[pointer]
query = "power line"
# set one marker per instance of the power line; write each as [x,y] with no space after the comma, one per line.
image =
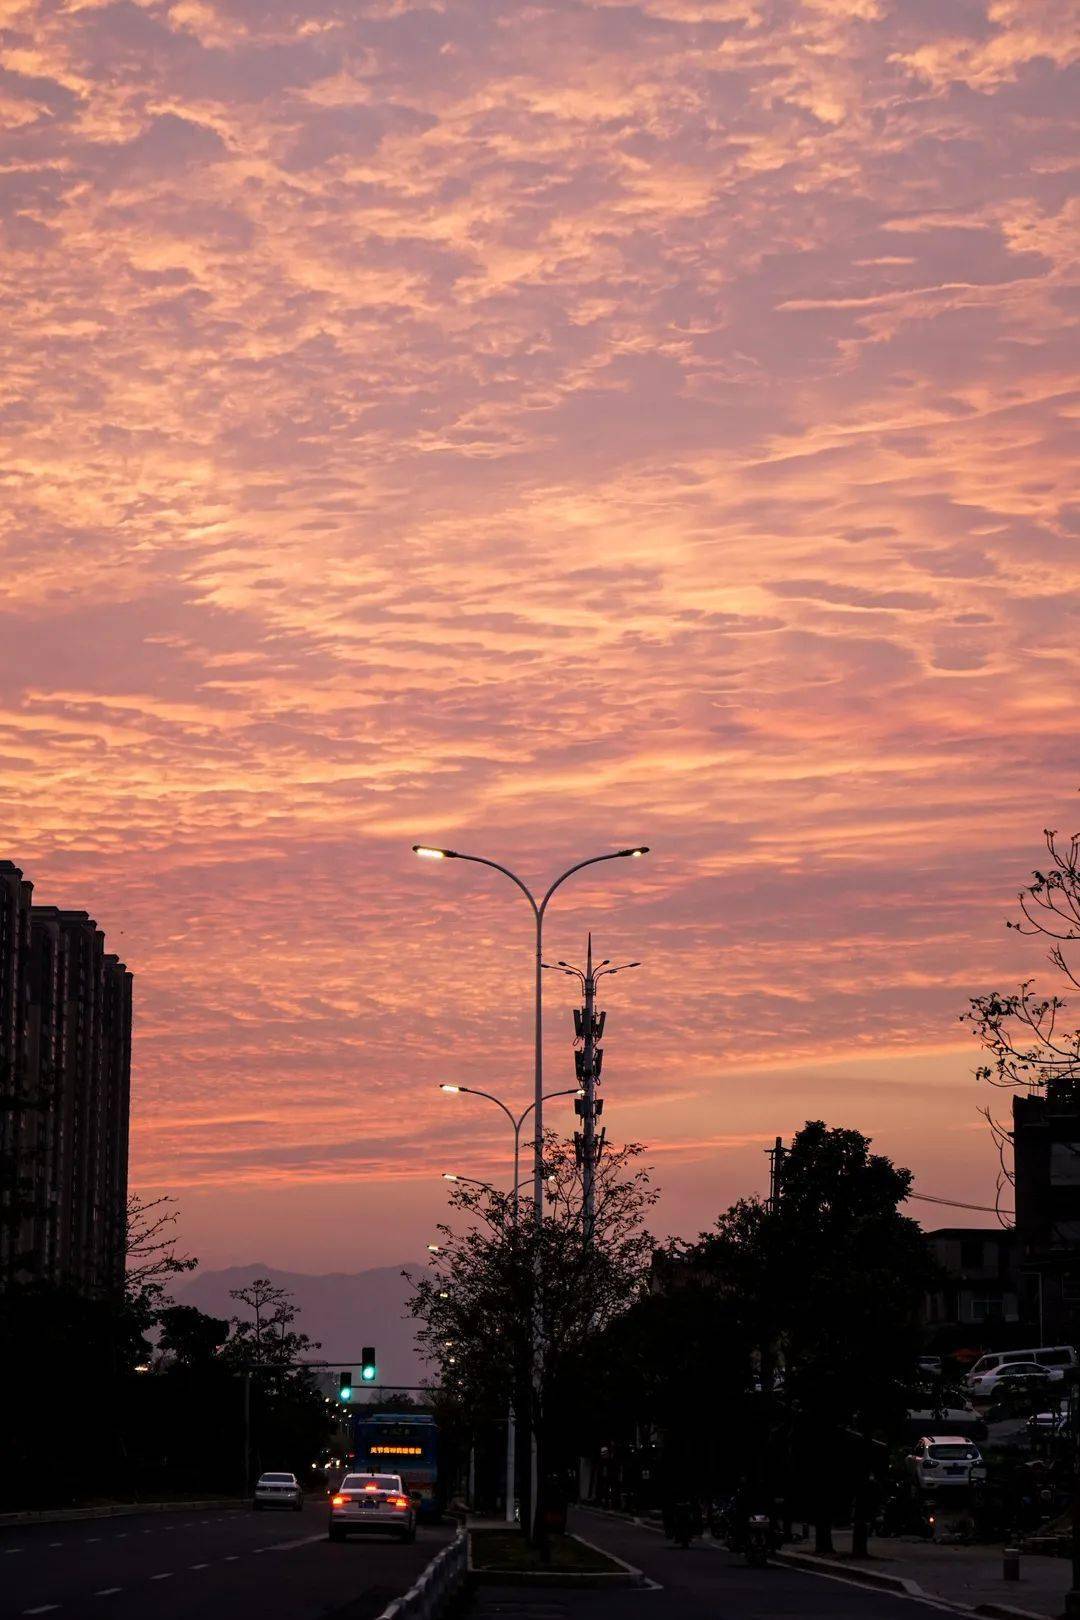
[952,1203]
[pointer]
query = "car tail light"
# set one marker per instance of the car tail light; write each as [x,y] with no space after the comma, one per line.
[338,1501]
[400,1501]
[371,1487]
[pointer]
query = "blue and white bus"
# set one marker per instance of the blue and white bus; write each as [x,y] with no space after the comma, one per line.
[405,1443]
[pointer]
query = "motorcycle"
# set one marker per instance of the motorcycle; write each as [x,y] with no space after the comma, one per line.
[684,1524]
[758,1540]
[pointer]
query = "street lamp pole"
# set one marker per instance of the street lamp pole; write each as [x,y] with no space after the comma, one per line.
[516,1124]
[539,911]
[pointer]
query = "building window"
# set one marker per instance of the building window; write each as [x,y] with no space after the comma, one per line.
[971,1254]
[1065,1164]
[987,1310]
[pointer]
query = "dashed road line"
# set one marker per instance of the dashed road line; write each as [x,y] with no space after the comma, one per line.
[42,1608]
[108,1591]
[230,1558]
[166,1575]
[92,1538]
[198,1566]
[9,1550]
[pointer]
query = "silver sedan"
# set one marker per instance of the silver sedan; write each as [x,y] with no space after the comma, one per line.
[370,1502]
[278,1490]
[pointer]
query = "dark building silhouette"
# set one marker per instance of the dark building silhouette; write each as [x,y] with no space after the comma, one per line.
[1046,1164]
[977,1291]
[65,1077]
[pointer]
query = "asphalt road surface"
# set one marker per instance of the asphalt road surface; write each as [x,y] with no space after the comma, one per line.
[698,1583]
[206,1565]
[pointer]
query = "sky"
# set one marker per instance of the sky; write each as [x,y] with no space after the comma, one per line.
[537,429]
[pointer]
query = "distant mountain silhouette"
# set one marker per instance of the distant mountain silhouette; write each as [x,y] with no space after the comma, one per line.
[345,1310]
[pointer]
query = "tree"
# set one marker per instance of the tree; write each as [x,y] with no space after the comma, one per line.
[289,1423]
[1023,1032]
[190,1336]
[511,1306]
[267,1338]
[790,1330]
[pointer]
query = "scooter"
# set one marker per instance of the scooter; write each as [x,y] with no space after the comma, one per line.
[683,1524]
[758,1540]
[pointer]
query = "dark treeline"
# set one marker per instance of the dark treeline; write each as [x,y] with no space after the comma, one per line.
[133,1397]
[772,1356]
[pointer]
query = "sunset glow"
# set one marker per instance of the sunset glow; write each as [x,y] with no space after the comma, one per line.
[552,430]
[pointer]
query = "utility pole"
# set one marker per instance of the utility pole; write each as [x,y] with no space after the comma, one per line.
[588,1061]
[775,1156]
[588,1029]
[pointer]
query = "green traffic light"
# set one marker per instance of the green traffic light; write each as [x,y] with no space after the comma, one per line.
[345,1392]
[368,1373]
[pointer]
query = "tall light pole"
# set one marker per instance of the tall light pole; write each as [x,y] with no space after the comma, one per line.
[516,1122]
[539,909]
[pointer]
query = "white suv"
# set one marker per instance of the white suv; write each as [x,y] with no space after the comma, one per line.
[943,1460]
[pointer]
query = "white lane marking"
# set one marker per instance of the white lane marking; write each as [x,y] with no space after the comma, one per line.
[9,1550]
[301,1541]
[42,1608]
[120,1534]
[93,1538]
[56,1543]
[108,1591]
[230,1558]
[198,1566]
[165,1575]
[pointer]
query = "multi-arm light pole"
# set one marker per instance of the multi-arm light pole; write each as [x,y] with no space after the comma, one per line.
[539,910]
[516,1122]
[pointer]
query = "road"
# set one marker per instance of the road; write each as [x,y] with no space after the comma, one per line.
[699,1583]
[206,1565]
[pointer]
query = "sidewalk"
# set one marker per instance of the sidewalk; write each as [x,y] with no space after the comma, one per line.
[968,1575]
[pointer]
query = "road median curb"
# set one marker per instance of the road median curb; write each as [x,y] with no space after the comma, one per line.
[848,1572]
[118,1510]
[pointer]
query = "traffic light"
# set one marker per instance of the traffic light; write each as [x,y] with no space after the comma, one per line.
[344,1384]
[368,1370]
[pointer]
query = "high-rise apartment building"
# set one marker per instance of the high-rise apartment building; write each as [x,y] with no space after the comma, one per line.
[65,1087]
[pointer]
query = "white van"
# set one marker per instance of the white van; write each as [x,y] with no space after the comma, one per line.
[1055,1355]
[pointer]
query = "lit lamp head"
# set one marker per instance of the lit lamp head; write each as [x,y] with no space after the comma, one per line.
[449,1088]
[429,852]
[636,852]
[448,1175]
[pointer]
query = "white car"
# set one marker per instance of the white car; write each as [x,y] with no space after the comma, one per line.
[1016,1375]
[370,1502]
[278,1490]
[944,1460]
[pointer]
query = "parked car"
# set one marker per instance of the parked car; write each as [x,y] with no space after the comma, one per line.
[278,1490]
[947,1411]
[929,1366]
[943,1460]
[370,1502]
[1015,1375]
[1051,1355]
